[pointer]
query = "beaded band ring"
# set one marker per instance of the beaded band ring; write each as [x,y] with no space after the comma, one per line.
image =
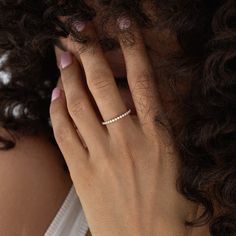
[117,118]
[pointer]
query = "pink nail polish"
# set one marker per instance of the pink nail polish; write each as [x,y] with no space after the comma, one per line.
[55,93]
[124,23]
[79,25]
[66,59]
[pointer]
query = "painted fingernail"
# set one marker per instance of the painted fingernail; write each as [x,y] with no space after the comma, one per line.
[124,23]
[66,59]
[79,25]
[55,93]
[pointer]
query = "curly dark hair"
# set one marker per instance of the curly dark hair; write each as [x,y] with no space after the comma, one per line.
[206,137]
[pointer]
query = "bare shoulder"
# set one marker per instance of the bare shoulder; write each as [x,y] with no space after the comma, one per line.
[33,185]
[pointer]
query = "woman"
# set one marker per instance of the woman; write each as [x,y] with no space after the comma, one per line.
[178,58]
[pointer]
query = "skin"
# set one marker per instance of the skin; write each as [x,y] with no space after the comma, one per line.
[111,168]
[33,186]
[159,45]
[160,48]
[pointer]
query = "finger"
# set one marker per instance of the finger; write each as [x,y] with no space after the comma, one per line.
[60,85]
[79,106]
[140,76]
[100,80]
[65,134]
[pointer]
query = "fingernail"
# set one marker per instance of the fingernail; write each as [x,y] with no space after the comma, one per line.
[55,93]
[124,23]
[66,59]
[79,25]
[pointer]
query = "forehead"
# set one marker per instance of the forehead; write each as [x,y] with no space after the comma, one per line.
[107,12]
[101,8]
[104,15]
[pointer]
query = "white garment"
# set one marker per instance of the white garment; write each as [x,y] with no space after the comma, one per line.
[70,219]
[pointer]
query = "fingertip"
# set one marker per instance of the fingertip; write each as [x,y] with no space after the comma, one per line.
[55,93]
[124,23]
[65,59]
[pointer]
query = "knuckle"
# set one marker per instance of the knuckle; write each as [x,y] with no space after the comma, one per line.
[99,83]
[142,79]
[77,107]
[60,130]
[61,134]
[86,45]
[141,85]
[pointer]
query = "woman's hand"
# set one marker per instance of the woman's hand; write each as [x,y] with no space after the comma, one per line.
[125,172]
